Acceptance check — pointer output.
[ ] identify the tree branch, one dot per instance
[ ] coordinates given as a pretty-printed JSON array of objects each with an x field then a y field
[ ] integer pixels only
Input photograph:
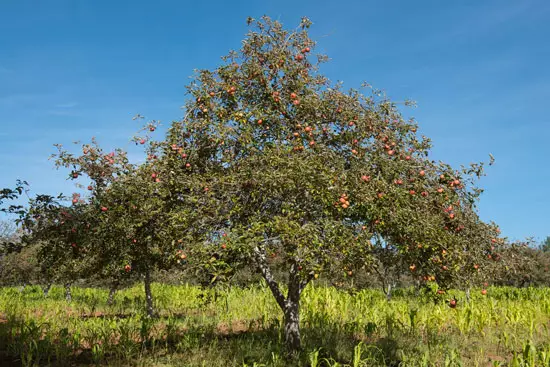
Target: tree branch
[{"x": 268, "y": 276}]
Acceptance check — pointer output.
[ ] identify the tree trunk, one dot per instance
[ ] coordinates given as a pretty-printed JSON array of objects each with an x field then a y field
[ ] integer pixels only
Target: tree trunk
[
  {"x": 292, "y": 325},
  {"x": 148, "y": 294},
  {"x": 468, "y": 294},
  {"x": 68, "y": 294},
  {"x": 22, "y": 287},
  {"x": 290, "y": 305},
  {"x": 389, "y": 292},
  {"x": 111, "y": 298},
  {"x": 46, "y": 289}
]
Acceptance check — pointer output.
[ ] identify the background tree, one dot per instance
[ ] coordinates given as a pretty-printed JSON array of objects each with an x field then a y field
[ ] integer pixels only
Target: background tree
[
  {"x": 130, "y": 214},
  {"x": 60, "y": 231},
  {"x": 545, "y": 245}
]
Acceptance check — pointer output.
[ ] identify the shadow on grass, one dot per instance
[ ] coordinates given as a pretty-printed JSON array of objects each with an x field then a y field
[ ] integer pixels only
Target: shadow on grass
[{"x": 237, "y": 344}]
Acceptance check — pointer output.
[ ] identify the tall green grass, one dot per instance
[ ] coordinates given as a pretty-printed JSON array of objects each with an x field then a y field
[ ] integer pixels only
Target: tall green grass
[{"x": 242, "y": 327}]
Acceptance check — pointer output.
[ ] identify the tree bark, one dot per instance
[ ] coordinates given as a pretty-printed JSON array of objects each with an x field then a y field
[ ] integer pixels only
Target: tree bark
[
  {"x": 111, "y": 298},
  {"x": 148, "y": 294},
  {"x": 290, "y": 305},
  {"x": 68, "y": 294},
  {"x": 389, "y": 292},
  {"x": 46, "y": 289},
  {"x": 292, "y": 312},
  {"x": 468, "y": 294}
]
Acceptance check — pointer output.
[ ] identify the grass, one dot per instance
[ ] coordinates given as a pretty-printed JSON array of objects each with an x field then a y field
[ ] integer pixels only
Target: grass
[{"x": 242, "y": 327}]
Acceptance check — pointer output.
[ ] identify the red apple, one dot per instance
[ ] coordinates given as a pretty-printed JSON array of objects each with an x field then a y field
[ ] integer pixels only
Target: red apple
[{"x": 104, "y": 209}]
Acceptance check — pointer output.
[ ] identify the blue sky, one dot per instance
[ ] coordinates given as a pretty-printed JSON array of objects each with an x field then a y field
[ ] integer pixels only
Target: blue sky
[{"x": 479, "y": 71}]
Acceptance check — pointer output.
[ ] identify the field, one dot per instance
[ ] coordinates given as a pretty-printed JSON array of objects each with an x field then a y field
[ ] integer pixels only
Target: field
[{"x": 241, "y": 327}]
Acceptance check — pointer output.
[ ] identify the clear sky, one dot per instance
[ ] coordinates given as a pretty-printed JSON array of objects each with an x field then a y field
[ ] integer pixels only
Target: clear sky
[{"x": 478, "y": 69}]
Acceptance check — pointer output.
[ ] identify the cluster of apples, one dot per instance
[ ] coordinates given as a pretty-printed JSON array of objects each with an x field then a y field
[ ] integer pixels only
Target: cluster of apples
[
  {"x": 304, "y": 51},
  {"x": 429, "y": 278},
  {"x": 181, "y": 254},
  {"x": 452, "y": 182},
  {"x": 343, "y": 201},
  {"x": 110, "y": 158},
  {"x": 76, "y": 198},
  {"x": 294, "y": 98},
  {"x": 155, "y": 177},
  {"x": 389, "y": 147}
]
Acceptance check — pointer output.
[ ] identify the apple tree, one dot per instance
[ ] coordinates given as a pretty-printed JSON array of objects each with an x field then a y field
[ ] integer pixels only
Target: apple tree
[
  {"x": 130, "y": 214},
  {"x": 282, "y": 162},
  {"x": 59, "y": 230}
]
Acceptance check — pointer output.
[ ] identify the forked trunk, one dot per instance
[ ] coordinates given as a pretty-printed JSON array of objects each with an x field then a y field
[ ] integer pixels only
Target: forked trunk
[
  {"x": 68, "y": 294},
  {"x": 148, "y": 294},
  {"x": 290, "y": 305}
]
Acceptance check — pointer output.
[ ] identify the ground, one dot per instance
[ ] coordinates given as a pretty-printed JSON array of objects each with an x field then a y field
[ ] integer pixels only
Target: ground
[{"x": 241, "y": 327}]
